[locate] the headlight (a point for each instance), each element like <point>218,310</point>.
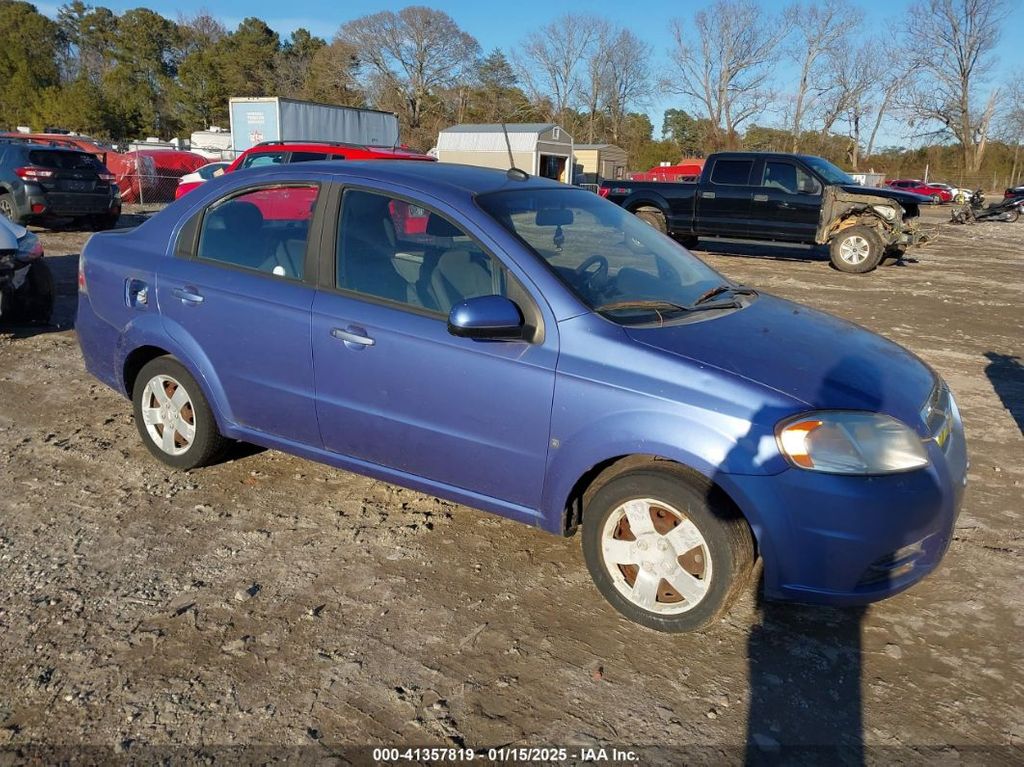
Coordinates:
<point>884,211</point>
<point>850,442</point>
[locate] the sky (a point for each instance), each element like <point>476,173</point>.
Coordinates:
<point>496,26</point>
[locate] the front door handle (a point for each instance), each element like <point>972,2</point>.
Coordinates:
<point>188,295</point>
<point>708,195</point>
<point>760,198</point>
<point>351,335</point>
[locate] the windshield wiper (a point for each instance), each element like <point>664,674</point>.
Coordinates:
<point>736,290</point>
<point>654,306</point>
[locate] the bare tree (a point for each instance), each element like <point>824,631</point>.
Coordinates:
<point>628,77</point>
<point>409,55</point>
<point>820,29</point>
<point>723,66</point>
<point>551,59</point>
<point>956,38</point>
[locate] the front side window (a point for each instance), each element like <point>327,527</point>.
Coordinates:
<point>789,178</point>
<point>614,262</point>
<point>394,250</point>
<point>264,230</point>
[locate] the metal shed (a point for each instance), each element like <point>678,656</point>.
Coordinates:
<point>541,149</point>
<point>600,161</point>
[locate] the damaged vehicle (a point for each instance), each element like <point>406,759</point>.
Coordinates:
<point>26,285</point>
<point>772,197</point>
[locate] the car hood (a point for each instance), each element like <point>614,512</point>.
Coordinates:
<point>903,198</point>
<point>813,357</point>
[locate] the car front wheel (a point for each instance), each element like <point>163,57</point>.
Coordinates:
<point>857,249</point>
<point>173,417</point>
<point>666,552</point>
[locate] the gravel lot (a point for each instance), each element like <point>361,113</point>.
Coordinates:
<point>273,601</point>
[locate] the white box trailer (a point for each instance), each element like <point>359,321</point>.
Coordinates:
<point>270,118</point>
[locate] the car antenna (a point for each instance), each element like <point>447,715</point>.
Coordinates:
<point>514,173</point>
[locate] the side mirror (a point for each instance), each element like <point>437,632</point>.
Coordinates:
<point>486,317</point>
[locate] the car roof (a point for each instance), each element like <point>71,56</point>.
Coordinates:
<point>331,147</point>
<point>431,176</point>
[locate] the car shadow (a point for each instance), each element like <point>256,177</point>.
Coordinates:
<point>1006,374</point>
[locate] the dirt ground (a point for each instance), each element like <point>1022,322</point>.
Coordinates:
<point>268,600</point>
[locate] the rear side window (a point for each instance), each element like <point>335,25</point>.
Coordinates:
<point>259,159</point>
<point>48,158</point>
<point>264,230</point>
<point>307,156</point>
<point>732,172</point>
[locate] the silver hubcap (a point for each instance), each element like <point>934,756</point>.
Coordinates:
<point>169,415</point>
<point>854,250</point>
<point>656,557</point>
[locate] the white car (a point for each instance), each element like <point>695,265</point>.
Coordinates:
<point>959,195</point>
<point>26,285</point>
<point>190,181</point>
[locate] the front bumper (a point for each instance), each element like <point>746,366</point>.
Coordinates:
<point>845,540</point>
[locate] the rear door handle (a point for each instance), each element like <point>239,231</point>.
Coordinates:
<point>188,295</point>
<point>708,195</point>
<point>760,198</point>
<point>351,335</point>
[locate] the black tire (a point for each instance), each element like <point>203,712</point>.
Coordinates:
<point>856,250</point>
<point>33,301</point>
<point>8,209</point>
<point>206,444</point>
<point>936,199</point>
<point>726,541</point>
<point>654,218</point>
<point>1011,216</point>
<point>687,242</point>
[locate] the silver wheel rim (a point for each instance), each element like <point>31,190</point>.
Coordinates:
<point>7,208</point>
<point>656,557</point>
<point>854,250</point>
<point>169,415</point>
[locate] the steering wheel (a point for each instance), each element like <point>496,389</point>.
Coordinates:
<point>592,271</point>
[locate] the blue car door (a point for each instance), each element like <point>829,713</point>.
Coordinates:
<point>237,297</point>
<point>394,387</point>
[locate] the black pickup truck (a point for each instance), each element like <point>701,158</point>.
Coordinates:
<point>779,198</point>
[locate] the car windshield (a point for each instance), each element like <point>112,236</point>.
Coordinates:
<point>828,171</point>
<point>64,160</point>
<point>614,262</point>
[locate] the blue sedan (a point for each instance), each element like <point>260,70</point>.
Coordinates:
<point>530,349</point>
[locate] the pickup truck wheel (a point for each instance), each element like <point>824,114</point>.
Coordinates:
<point>173,417</point>
<point>856,250</point>
<point>653,217</point>
<point>664,551</point>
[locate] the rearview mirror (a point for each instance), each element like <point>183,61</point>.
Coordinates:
<point>486,317</point>
<point>554,217</point>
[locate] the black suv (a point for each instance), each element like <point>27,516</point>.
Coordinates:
<point>40,182</point>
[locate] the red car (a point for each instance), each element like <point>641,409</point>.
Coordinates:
<point>938,194</point>
<point>282,152</point>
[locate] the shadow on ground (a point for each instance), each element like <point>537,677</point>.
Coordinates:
<point>1006,374</point>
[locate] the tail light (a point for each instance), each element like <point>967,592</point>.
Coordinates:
<point>81,274</point>
<point>603,191</point>
<point>34,173</point>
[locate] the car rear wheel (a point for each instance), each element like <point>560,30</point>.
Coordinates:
<point>173,417</point>
<point>7,208</point>
<point>104,221</point>
<point>654,218</point>
<point>33,301</point>
<point>666,552</point>
<point>857,249</point>
<point>936,199</point>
